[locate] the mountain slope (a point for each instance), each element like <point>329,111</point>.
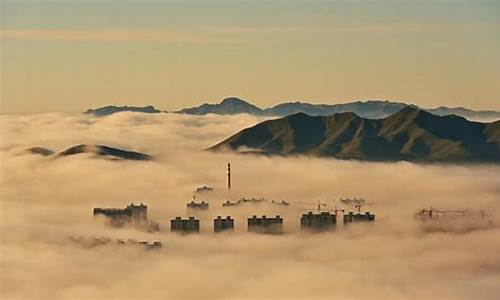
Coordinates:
<point>410,134</point>
<point>111,109</point>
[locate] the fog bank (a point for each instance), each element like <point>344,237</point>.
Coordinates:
<point>44,201</point>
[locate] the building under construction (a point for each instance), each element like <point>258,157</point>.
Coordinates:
<point>322,221</point>
<point>265,225</point>
<point>132,214</point>
<point>433,219</point>
<point>189,225</point>
<point>223,224</point>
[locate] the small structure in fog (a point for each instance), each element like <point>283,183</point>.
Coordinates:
<point>265,225</point>
<point>322,221</point>
<point>197,205</point>
<point>244,200</point>
<point>150,245</point>
<point>252,200</point>
<point>189,225</point>
<point>282,203</point>
<point>223,224</point>
<point>229,203</point>
<point>204,189</point>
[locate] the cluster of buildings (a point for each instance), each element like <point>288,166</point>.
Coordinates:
<point>95,241</point>
<point>311,222</point>
<point>320,221</point>
<point>434,214</point>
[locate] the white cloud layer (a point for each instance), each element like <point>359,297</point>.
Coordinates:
<point>44,201</point>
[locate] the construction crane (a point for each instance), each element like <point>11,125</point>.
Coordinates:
<point>318,204</point>
<point>321,206</point>
<point>356,203</point>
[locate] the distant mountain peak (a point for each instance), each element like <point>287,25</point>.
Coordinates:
<point>228,106</point>
<point>233,100</point>
<point>112,109</point>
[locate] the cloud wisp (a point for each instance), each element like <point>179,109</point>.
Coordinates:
<point>226,34</point>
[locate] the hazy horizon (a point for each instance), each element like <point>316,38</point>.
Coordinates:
<point>72,55</point>
<point>218,101</point>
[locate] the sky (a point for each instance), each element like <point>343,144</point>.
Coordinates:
<point>69,56</point>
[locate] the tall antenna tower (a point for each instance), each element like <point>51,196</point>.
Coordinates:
<point>228,176</point>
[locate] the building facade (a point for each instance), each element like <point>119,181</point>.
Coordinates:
<point>189,225</point>
<point>354,218</point>
<point>265,225</point>
<point>322,221</point>
<point>223,224</point>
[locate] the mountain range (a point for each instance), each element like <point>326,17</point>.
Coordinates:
<point>409,134</point>
<point>97,150</point>
<point>372,109</point>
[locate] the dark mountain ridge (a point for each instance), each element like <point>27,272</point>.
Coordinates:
<point>97,150</point>
<point>410,134</point>
<point>102,150</point>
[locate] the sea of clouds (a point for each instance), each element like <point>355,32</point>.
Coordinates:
<point>46,200</point>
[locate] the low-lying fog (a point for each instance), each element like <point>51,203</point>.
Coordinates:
<point>45,201</point>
